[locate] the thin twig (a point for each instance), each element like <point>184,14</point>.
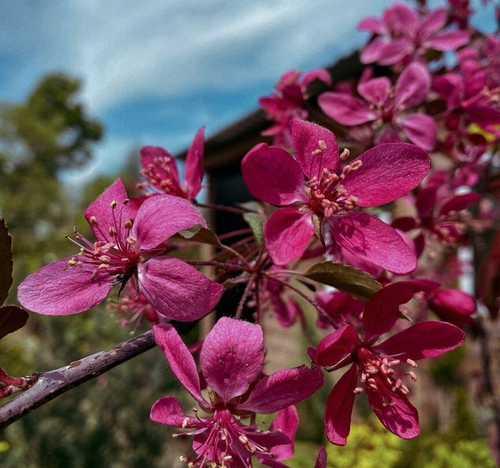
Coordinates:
<point>227,209</point>
<point>53,383</point>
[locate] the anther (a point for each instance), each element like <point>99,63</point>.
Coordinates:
<point>345,154</point>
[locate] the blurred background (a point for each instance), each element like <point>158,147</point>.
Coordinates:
<point>84,84</point>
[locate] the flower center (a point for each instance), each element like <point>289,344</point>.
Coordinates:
<point>382,374</point>
<point>222,438</point>
<point>116,253</point>
<point>162,174</point>
<point>327,195</point>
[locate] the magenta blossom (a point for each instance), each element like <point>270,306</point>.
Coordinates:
<point>133,306</point>
<point>453,306</point>
<point>231,363</point>
<point>378,369</point>
<point>286,309</point>
<point>314,185</point>
<point>289,100</point>
<point>402,35</point>
<point>472,93</point>
<point>160,169</point>
<point>130,243</point>
<point>439,215</point>
<point>384,107</point>
<point>338,308</point>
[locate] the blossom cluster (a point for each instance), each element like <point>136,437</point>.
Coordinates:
<point>355,217</point>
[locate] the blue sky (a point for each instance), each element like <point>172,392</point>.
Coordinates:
<point>155,71</point>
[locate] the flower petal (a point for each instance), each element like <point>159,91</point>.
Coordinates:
<point>372,240</point>
<point>287,422</point>
<point>373,51</point>
<point>169,411</point>
<point>394,51</point>
<point>346,109</point>
<point>282,389</point>
<point>315,147</point>
<point>321,459</point>
<point>177,290</point>
<point>388,172</point>
<point>449,40</point>
<point>58,289</point>
<point>179,358</point>
<point>194,164</point>
<point>376,90</point>
<point>421,130</point>
<point>373,25</point>
<point>453,306</point>
<point>232,357</point>
<point>339,408</point>
<point>434,21</point>
<point>316,75</point>
<point>159,167</point>
<point>288,233</point>
<point>101,216</point>
<point>272,175</point>
<point>459,202</point>
<point>413,86</point>
<point>423,341</point>
<point>336,348</point>
<point>397,415</point>
<point>401,19</point>
<point>162,216</point>
<point>382,311</point>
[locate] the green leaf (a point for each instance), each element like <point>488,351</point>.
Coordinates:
<point>200,234</point>
<point>256,223</point>
<point>5,261</point>
<point>12,318</point>
<point>345,278</point>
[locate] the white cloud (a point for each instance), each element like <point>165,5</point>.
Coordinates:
<point>126,49</point>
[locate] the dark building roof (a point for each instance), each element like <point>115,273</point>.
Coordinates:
<point>225,149</point>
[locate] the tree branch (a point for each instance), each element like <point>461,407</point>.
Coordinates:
<point>53,383</point>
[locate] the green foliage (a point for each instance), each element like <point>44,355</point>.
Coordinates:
<point>371,446</point>
<point>52,125</point>
<point>345,278</point>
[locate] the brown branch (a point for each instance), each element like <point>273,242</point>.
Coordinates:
<point>53,383</point>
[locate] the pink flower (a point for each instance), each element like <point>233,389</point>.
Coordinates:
<point>289,100</point>
<point>442,216</point>
<point>312,185</point>
<point>231,362</point>
<point>130,243</point>
<point>337,309</point>
<point>384,107</point>
<point>472,91</point>
<point>453,306</point>
<point>402,34</point>
<point>160,169</point>
<point>134,306</point>
<point>286,309</point>
<point>378,369</point>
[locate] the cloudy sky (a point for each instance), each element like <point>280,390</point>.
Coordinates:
<point>155,71</point>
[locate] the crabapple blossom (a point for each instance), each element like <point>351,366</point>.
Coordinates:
<point>377,368</point>
<point>131,237</point>
<point>385,108</point>
<point>314,184</point>
<point>402,34</point>
<point>231,368</point>
<point>160,170</point>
